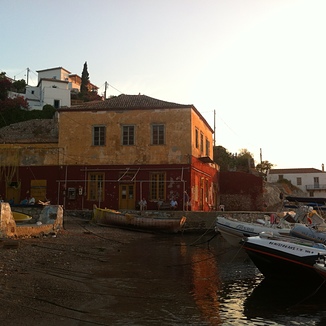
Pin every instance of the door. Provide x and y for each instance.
(127, 196)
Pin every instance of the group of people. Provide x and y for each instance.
(28, 201)
(173, 203)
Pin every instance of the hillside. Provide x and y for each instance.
(272, 193)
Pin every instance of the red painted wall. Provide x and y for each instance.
(241, 191)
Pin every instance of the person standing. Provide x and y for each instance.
(143, 204)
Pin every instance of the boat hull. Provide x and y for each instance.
(305, 232)
(284, 258)
(233, 231)
(20, 217)
(133, 221)
(320, 268)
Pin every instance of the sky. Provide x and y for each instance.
(255, 69)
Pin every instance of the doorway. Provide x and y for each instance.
(127, 196)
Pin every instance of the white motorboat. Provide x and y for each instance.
(285, 258)
(233, 230)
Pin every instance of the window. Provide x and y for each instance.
(158, 134)
(96, 186)
(157, 186)
(207, 147)
(201, 142)
(98, 135)
(280, 177)
(128, 135)
(197, 138)
(56, 104)
(299, 181)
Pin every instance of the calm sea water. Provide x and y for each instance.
(189, 280)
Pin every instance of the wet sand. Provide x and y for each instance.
(56, 280)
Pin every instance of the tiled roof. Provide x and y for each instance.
(126, 102)
(31, 131)
(294, 171)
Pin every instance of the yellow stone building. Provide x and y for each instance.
(113, 153)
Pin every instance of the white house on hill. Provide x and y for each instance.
(309, 180)
(54, 87)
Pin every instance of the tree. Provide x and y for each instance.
(223, 158)
(242, 161)
(7, 103)
(263, 168)
(19, 86)
(5, 86)
(245, 161)
(84, 80)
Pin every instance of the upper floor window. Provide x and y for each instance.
(197, 138)
(128, 135)
(299, 181)
(207, 147)
(158, 135)
(201, 142)
(280, 176)
(98, 136)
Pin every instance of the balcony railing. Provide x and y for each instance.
(316, 187)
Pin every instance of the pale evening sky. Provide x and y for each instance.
(260, 64)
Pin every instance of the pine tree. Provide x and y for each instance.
(84, 80)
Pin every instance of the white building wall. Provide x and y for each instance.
(52, 91)
(55, 73)
(307, 179)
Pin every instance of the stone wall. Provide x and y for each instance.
(45, 220)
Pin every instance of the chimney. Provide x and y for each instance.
(322, 167)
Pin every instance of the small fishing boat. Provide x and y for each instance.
(233, 230)
(131, 221)
(285, 258)
(21, 217)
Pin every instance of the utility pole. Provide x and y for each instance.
(27, 76)
(105, 87)
(214, 128)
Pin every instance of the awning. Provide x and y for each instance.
(205, 159)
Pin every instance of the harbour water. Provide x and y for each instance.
(201, 280)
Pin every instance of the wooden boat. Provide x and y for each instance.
(21, 217)
(136, 222)
(233, 230)
(285, 258)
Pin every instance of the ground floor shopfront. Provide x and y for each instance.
(116, 187)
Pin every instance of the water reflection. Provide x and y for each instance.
(280, 301)
(206, 283)
(176, 281)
